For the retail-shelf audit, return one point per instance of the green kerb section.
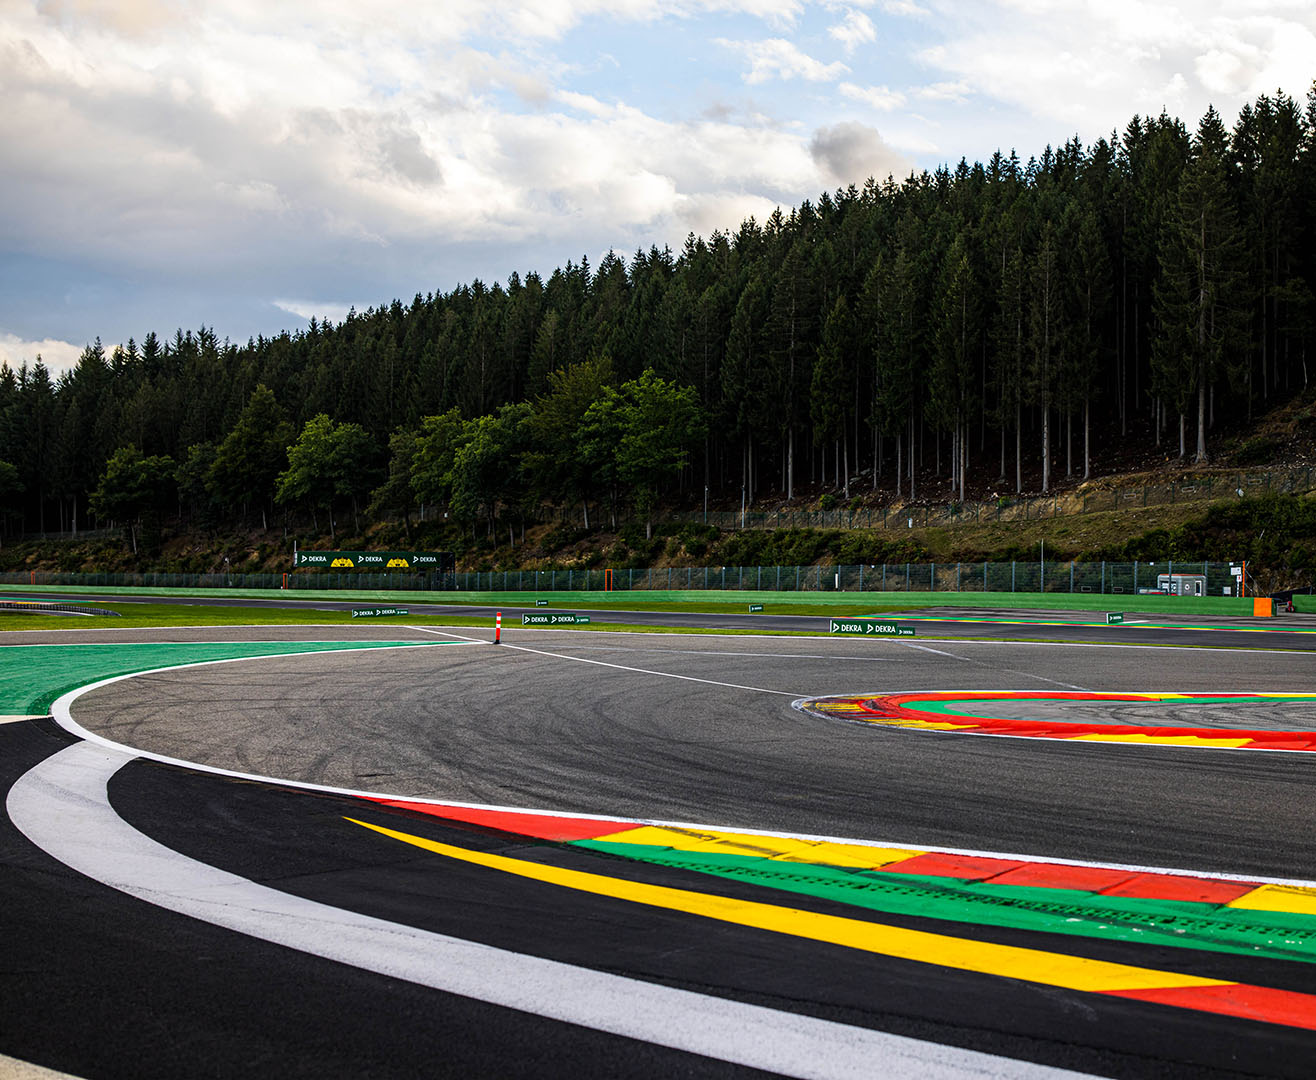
(33, 676)
(1183, 924)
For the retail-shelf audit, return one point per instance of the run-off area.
(701, 729)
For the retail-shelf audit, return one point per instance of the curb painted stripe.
(957, 870)
(537, 826)
(62, 806)
(1009, 961)
(911, 711)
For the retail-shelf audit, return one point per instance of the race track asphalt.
(614, 724)
(680, 728)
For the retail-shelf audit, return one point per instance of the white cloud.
(1091, 66)
(956, 92)
(882, 98)
(58, 356)
(316, 150)
(853, 30)
(320, 310)
(777, 58)
(850, 153)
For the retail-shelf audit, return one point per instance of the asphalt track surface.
(694, 729)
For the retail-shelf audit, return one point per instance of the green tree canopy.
(131, 486)
(253, 454)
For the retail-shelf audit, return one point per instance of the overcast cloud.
(248, 165)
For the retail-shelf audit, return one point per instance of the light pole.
(705, 504)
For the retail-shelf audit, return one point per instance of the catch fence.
(1052, 577)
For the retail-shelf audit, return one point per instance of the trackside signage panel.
(376, 612)
(553, 618)
(870, 626)
(374, 560)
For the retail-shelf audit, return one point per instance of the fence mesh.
(1196, 578)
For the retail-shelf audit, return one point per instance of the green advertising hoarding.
(870, 626)
(441, 561)
(553, 619)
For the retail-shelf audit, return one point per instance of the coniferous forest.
(998, 324)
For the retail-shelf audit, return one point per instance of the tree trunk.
(911, 453)
(1018, 448)
(790, 464)
(1046, 447)
(900, 464)
(1087, 438)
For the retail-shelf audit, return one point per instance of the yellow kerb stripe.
(1008, 961)
(926, 725)
(1295, 898)
(1166, 740)
(852, 856)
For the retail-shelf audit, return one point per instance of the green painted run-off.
(1183, 924)
(33, 676)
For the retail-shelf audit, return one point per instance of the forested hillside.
(1002, 322)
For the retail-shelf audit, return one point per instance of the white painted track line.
(62, 806)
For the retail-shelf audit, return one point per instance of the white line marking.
(755, 655)
(62, 806)
(645, 671)
(1043, 678)
(638, 671)
(60, 711)
(14, 1069)
(924, 648)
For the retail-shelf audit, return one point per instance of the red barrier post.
(498, 628)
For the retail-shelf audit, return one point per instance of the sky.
(248, 164)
